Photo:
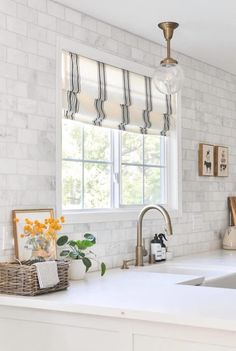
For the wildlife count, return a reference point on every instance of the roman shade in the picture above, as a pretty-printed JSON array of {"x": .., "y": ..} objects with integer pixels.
[{"x": 100, "y": 94}]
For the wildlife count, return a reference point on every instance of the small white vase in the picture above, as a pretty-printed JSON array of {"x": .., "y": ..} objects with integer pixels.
[
  {"x": 76, "y": 270},
  {"x": 229, "y": 240}
]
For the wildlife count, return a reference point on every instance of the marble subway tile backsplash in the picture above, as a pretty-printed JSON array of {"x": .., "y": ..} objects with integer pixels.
[{"x": 28, "y": 36}]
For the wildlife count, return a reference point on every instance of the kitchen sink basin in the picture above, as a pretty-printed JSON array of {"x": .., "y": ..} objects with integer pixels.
[
  {"x": 183, "y": 270},
  {"x": 227, "y": 282},
  {"x": 203, "y": 276}
]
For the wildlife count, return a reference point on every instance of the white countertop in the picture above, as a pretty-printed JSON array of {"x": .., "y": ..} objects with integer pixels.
[{"x": 142, "y": 295}]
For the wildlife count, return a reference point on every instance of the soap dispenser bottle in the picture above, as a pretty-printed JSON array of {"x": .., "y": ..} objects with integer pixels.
[
  {"x": 156, "y": 249},
  {"x": 161, "y": 237}
]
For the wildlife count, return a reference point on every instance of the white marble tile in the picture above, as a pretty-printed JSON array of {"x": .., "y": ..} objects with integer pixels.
[{"x": 28, "y": 34}]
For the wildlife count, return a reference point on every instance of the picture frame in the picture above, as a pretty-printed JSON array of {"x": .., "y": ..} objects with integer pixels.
[
  {"x": 221, "y": 155},
  {"x": 206, "y": 160},
  {"x": 23, "y": 248}
]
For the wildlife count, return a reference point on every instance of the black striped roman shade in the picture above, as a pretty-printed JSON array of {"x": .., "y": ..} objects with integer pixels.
[{"x": 100, "y": 94}]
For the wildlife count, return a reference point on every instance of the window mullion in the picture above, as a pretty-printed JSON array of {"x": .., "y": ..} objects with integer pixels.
[
  {"x": 143, "y": 183},
  {"x": 112, "y": 197},
  {"x": 163, "y": 170},
  {"x": 82, "y": 163},
  {"x": 116, "y": 169},
  {"x": 163, "y": 151}
]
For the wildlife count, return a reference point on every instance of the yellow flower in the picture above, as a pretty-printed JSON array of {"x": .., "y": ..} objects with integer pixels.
[
  {"x": 28, "y": 221},
  {"x": 62, "y": 219},
  {"x": 16, "y": 220},
  {"x": 48, "y": 229}
]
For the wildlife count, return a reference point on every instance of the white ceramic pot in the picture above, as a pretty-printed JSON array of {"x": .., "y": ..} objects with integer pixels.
[
  {"x": 229, "y": 240},
  {"x": 76, "y": 270}
]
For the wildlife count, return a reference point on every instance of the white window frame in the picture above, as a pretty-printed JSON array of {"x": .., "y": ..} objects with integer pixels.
[{"x": 173, "y": 144}]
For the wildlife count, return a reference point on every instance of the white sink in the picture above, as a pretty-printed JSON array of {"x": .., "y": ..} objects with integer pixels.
[
  {"x": 227, "y": 282},
  {"x": 183, "y": 269},
  {"x": 189, "y": 276},
  {"x": 214, "y": 276}
]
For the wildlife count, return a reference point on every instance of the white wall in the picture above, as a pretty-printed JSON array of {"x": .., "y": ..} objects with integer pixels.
[{"x": 28, "y": 35}]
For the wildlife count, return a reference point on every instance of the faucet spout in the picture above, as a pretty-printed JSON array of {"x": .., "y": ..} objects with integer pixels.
[{"x": 139, "y": 247}]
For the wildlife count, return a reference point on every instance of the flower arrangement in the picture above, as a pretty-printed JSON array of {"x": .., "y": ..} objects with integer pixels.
[{"x": 41, "y": 236}]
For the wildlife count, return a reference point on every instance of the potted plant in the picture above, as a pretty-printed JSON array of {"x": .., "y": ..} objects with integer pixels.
[{"x": 80, "y": 254}]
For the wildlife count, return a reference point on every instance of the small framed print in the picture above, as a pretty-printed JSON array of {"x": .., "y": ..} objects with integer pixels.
[
  {"x": 206, "y": 160},
  {"x": 221, "y": 161},
  {"x": 33, "y": 244}
]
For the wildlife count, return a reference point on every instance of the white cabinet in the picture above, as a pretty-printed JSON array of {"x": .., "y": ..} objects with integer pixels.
[
  {"x": 142, "y": 343},
  {"x": 27, "y": 336},
  {"x": 26, "y": 329}
]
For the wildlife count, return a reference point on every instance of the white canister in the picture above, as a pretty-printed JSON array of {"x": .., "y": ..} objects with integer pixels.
[{"x": 229, "y": 240}]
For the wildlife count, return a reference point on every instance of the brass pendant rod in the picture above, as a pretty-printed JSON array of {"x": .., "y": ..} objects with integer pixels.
[
  {"x": 168, "y": 30},
  {"x": 168, "y": 48}
]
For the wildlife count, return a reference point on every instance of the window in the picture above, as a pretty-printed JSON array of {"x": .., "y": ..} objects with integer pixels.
[
  {"x": 87, "y": 166},
  {"x": 142, "y": 169},
  {"x": 104, "y": 168},
  {"x": 120, "y": 146}
]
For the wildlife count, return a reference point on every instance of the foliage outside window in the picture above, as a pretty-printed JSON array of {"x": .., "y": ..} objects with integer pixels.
[{"x": 105, "y": 169}]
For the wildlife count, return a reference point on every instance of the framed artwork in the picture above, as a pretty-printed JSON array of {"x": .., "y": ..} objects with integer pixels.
[
  {"x": 206, "y": 160},
  {"x": 221, "y": 161},
  {"x": 31, "y": 237}
]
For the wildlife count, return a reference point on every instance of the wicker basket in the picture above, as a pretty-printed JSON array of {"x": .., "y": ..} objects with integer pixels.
[{"x": 22, "y": 279}]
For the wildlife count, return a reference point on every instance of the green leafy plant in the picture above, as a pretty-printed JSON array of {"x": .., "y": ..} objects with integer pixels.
[{"x": 79, "y": 250}]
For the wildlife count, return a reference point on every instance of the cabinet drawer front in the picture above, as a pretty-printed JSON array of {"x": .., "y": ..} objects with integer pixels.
[
  {"x": 28, "y": 336},
  {"x": 142, "y": 342}
]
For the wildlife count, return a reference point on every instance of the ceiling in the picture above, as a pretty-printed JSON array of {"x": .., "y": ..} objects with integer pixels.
[{"x": 207, "y": 28}]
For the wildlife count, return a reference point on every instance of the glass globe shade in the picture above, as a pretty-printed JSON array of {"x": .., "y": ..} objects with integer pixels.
[{"x": 168, "y": 79}]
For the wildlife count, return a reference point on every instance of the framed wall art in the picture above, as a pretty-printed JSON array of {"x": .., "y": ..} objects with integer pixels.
[
  {"x": 206, "y": 160},
  {"x": 32, "y": 237},
  {"x": 221, "y": 161}
]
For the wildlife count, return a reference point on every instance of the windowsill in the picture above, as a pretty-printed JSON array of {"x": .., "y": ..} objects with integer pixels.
[{"x": 112, "y": 215}]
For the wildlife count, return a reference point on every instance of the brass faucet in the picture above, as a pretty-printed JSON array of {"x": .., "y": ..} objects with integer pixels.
[{"x": 139, "y": 247}]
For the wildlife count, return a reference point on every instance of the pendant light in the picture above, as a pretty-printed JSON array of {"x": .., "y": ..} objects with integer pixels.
[{"x": 169, "y": 76}]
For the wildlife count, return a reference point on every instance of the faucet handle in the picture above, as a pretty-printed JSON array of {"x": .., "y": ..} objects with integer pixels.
[
  {"x": 145, "y": 251},
  {"x": 125, "y": 264}
]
